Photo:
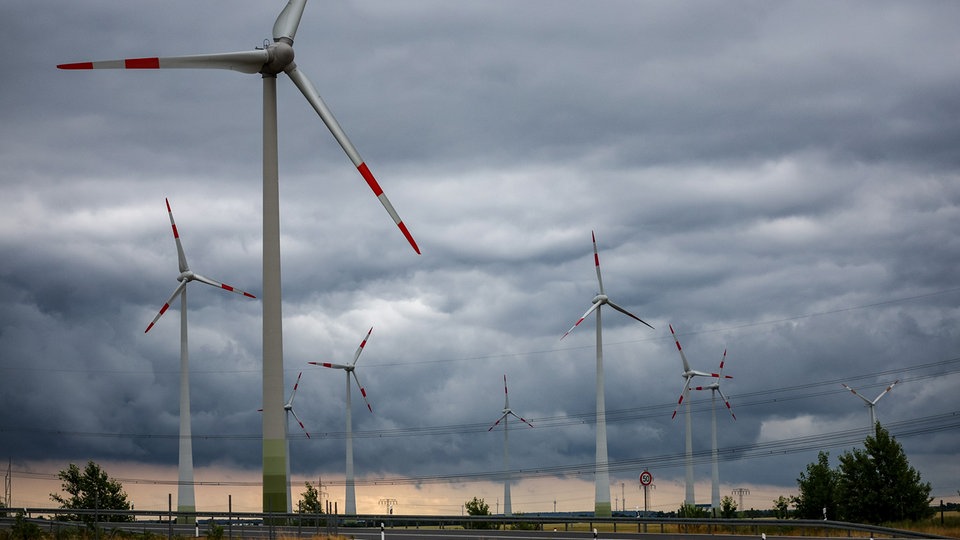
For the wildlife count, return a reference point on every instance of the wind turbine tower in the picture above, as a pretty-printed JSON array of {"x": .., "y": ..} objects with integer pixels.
[
  {"x": 350, "y": 502},
  {"x": 186, "y": 500},
  {"x": 872, "y": 404},
  {"x": 268, "y": 61},
  {"x": 505, "y": 417},
  {"x": 602, "y": 471},
  {"x": 714, "y": 388}
]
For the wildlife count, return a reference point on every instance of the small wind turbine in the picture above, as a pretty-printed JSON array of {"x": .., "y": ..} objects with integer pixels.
[
  {"x": 186, "y": 501},
  {"x": 288, "y": 408},
  {"x": 602, "y": 473},
  {"x": 714, "y": 388},
  {"x": 505, "y": 417},
  {"x": 872, "y": 404},
  {"x": 688, "y": 374},
  {"x": 350, "y": 505},
  {"x": 269, "y": 61}
]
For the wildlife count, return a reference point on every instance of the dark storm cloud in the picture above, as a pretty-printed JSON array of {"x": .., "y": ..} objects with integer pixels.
[{"x": 779, "y": 180}]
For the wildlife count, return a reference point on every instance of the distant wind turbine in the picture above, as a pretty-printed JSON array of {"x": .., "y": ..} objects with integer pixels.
[
  {"x": 268, "y": 61},
  {"x": 288, "y": 408},
  {"x": 602, "y": 472},
  {"x": 505, "y": 417},
  {"x": 688, "y": 374},
  {"x": 714, "y": 388},
  {"x": 872, "y": 404},
  {"x": 350, "y": 504},
  {"x": 186, "y": 501}
]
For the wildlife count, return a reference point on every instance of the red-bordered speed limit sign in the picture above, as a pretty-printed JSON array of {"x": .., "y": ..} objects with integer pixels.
[{"x": 646, "y": 478}]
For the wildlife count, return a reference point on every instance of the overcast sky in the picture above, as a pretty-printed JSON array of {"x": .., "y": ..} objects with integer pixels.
[{"x": 777, "y": 179}]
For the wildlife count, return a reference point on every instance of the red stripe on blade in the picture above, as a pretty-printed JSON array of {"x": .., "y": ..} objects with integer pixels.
[
  {"x": 78, "y": 65},
  {"x": 371, "y": 181},
  {"x": 142, "y": 63}
]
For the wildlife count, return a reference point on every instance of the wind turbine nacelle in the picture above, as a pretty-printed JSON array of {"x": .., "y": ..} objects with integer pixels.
[
  {"x": 600, "y": 299},
  {"x": 185, "y": 276},
  {"x": 280, "y": 56}
]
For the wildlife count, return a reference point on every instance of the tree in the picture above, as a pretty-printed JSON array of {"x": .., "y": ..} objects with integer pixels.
[
  {"x": 728, "y": 507},
  {"x": 781, "y": 506},
  {"x": 818, "y": 488},
  {"x": 878, "y": 485},
  {"x": 476, "y": 507},
  {"x": 309, "y": 504},
  {"x": 91, "y": 489},
  {"x": 309, "y": 501}
]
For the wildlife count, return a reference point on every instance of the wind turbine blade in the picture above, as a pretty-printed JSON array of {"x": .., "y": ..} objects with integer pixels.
[
  {"x": 726, "y": 402},
  {"x": 223, "y": 286},
  {"x": 627, "y": 313},
  {"x": 243, "y": 61},
  {"x": 596, "y": 262},
  {"x": 363, "y": 343},
  {"x": 176, "y": 237},
  {"x": 363, "y": 391},
  {"x": 506, "y": 397},
  {"x": 522, "y": 419},
  {"x": 310, "y": 92},
  {"x": 497, "y": 423},
  {"x": 683, "y": 395},
  {"x": 166, "y": 305},
  {"x": 585, "y": 315},
  {"x": 683, "y": 357},
  {"x": 329, "y": 365},
  {"x": 289, "y": 20},
  {"x": 719, "y": 374},
  {"x": 854, "y": 392},
  {"x": 885, "y": 391},
  {"x": 295, "y": 386},
  {"x": 297, "y": 418}
]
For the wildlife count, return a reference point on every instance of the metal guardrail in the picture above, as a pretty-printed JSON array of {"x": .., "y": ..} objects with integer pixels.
[{"x": 308, "y": 524}]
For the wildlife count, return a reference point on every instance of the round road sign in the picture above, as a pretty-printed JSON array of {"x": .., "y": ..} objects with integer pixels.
[{"x": 646, "y": 478}]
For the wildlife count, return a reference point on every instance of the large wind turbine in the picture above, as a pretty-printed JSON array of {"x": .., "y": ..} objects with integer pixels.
[
  {"x": 505, "y": 417},
  {"x": 688, "y": 374},
  {"x": 872, "y": 404},
  {"x": 714, "y": 388},
  {"x": 350, "y": 504},
  {"x": 269, "y": 61},
  {"x": 186, "y": 501},
  {"x": 602, "y": 473}
]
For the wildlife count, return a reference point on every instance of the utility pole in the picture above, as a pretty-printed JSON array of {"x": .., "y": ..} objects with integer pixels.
[
  {"x": 623, "y": 498},
  {"x": 389, "y": 503},
  {"x": 741, "y": 492}
]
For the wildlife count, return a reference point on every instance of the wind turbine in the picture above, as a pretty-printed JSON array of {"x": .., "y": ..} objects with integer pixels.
[
  {"x": 714, "y": 388},
  {"x": 688, "y": 374},
  {"x": 350, "y": 504},
  {"x": 872, "y": 404},
  {"x": 269, "y": 61},
  {"x": 186, "y": 501},
  {"x": 505, "y": 417},
  {"x": 602, "y": 473}
]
